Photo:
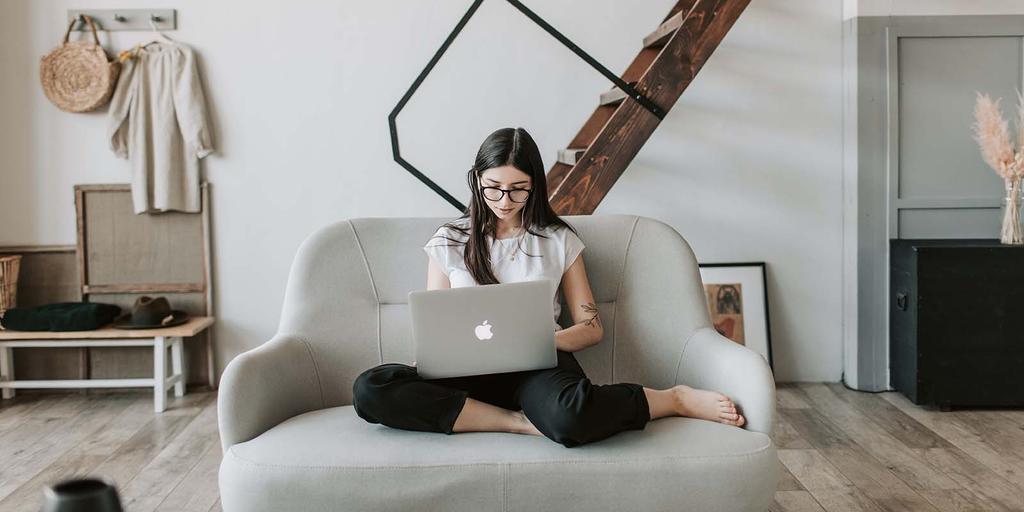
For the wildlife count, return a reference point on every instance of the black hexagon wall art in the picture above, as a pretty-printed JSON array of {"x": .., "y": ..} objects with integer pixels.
[{"x": 392, "y": 117}]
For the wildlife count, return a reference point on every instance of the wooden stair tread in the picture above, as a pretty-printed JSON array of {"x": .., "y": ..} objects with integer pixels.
[
  {"x": 614, "y": 134},
  {"x": 570, "y": 156},
  {"x": 636, "y": 69},
  {"x": 660, "y": 36},
  {"x": 614, "y": 96}
]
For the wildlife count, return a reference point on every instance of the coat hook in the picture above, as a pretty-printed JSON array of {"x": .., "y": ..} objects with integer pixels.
[
  {"x": 156, "y": 18},
  {"x": 118, "y": 17}
]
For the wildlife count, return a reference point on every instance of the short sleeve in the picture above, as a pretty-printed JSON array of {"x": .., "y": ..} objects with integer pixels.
[
  {"x": 573, "y": 247},
  {"x": 439, "y": 249},
  {"x": 439, "y": 253}
]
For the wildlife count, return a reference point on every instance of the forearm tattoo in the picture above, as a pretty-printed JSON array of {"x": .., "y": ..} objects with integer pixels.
[{"x": 591, "y": 308}]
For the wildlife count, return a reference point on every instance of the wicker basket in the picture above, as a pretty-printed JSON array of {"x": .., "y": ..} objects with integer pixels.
[{"x": 9, "y": 282}]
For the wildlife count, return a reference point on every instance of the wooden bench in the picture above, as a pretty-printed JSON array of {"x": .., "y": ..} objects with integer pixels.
[{"x": 159, "y": 339}]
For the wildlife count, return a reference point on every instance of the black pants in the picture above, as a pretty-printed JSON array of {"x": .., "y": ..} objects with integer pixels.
[{"x": 561, "y": 402}]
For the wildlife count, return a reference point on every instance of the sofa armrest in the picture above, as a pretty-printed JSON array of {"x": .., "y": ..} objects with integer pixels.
[
  {"x": 264, "y": 386},
  {"x": 712, "y": 361}
]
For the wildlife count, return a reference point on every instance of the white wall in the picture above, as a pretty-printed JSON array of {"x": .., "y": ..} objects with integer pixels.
[
  {"x": 854, "y": 8},
  {"x": 747, "y": 166}
]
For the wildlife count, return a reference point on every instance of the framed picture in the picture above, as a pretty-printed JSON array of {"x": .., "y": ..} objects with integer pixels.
[{"x": 737, "y": 297}]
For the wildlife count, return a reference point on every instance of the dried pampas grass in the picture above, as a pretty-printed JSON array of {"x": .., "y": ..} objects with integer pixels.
[
  {"x": 1020, "y": 120},
  {"x": 993, "y": 136}
]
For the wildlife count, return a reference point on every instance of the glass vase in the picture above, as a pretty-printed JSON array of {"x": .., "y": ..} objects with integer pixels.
[{"x": 1012, "y": 234}]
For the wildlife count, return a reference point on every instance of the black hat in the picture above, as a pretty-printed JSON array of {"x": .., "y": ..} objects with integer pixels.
[{"x": 150, "y": 313}]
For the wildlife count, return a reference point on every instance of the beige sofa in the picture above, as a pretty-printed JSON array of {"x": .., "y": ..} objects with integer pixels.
[{"x": 293, "y": 442}]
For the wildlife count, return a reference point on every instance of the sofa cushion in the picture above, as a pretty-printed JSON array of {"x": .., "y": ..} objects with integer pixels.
[{"x": 344, "y": 463}]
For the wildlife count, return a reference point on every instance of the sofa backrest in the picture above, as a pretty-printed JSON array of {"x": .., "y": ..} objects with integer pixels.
[{"x": 348, "y": 286}]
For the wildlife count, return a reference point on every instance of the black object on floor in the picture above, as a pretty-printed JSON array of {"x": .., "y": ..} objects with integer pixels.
[
  {"x": 60, "y": 316},
  {"x": 81, "y": 495},
  {"x": 956, "y": 329}
]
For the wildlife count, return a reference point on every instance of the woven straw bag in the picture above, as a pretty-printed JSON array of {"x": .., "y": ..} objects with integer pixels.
[{"x": 78, "y": 76}]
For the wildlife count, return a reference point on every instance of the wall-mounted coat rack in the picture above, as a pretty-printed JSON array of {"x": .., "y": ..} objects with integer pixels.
[{"x": 126, "y": 19}]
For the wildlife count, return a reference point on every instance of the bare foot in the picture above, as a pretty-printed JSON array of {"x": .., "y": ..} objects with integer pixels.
[
  {"x": 708, "y": 405},
  {"x": 525, "y": 426}
]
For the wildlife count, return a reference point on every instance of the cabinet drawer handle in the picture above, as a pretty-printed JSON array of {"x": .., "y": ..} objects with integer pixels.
[{"x": 901, "y": 301}]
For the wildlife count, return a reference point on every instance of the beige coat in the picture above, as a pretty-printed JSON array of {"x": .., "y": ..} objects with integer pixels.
[{"x": 158, "y": 121}]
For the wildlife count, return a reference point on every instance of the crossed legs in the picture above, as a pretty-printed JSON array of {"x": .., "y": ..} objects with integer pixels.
[
  {"x": 681, "y": 400},
  {"x": 560, "y": 403},
  {"x": 567, "y": 407}
]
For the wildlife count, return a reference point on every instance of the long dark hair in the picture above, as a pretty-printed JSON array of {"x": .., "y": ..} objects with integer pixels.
[{"x": 506, "y": 146}]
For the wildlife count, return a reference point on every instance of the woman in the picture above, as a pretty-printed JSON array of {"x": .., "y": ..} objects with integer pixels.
[{"x": 510, "y": 233}]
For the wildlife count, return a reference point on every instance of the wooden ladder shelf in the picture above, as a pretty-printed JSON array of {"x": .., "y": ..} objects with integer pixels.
[{"x": 670, "y": 58}]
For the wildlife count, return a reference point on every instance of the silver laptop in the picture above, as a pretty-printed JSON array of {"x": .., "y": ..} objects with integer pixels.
[{"x": 474, "y": 330}]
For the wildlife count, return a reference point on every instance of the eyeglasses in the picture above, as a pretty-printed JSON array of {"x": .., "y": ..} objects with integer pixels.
[{"x": 517, "y": 195}]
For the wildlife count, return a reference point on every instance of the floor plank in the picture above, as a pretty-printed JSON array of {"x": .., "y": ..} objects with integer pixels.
[
  {"x": 786, "y": 436},
  {"x": 147, "y": 490},
  {"x": 59, "y": 435},
  {"x": 961, "y": 432},
  {"x": 15, "y": 410},
  {"x": 876, "y": 440},
  {"x": 865, "y": 471},
  {"x": 816, "y": 429},
  {"x": 974, "y": 476},
  {"x": 28, "y": 497},
  {"x": 896, "y": 500},
  {"x": 139, "y": 450},
  {"x": 794, "y": 501},
  {"x": 847, "y": 499},
  {"x": 812, "y": 470},
  {"x": 788, "y": 482},
  {"x": 956, "y": 500},
  {"x": 110, "y": 439},
  {"x": 894, "y": 421},
  {"x": 198, "y": 491}
]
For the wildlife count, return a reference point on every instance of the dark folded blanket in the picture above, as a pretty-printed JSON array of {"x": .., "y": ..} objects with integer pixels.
[{"x": 61, "y": 316}]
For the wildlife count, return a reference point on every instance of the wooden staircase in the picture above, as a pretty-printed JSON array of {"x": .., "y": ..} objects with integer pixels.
[{"x": 670, "y": 58}]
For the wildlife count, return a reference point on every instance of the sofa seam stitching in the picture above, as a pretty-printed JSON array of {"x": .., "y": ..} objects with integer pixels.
[
  {"x": 316, "y": 370},
  {"x": 686, "y": 345},
  {"x": 760, "y": 450},
  {"x": 618, "y": 290},
  {"x": 373, "y": 286}
]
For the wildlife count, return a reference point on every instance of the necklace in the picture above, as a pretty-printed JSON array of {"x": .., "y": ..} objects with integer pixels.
[{"x": 516, "y": 239}]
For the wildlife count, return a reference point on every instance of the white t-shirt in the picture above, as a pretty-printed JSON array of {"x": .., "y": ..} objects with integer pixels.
[{"x": 511, "y": 259}]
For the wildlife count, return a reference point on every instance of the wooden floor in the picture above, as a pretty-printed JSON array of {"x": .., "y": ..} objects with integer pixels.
[
  {"x": 839, "y": 450},
  {"x": 846, "y": 450},
  {"x": 161, "y": 462}
]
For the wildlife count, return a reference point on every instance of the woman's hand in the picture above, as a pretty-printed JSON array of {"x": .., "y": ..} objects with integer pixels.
[{"x": 413, "y": 364}]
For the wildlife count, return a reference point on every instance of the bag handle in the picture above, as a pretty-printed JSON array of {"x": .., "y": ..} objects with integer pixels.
[{"x": 88, "y": 20}]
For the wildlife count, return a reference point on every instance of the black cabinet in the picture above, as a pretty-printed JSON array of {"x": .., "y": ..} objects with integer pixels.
[{"x": 956, "y": 322}]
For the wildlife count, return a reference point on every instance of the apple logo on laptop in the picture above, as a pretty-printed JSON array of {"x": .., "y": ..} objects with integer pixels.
[{"x": 483, "y": 331}]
